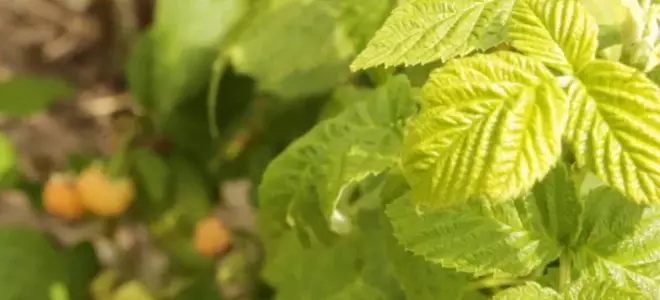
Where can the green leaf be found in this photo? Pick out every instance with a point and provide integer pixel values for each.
(363, 18)
(201, 289)
(606, 12)
(589, 183)
(420, 279)
(305, 184)
(590, 288)
(192, 199)
(557, 200)
(614, 128)
(28, 94)
(183, 42)
(139, 75)
(422, 31)
(353, 268)
(153, 176)
(490, 127)
(478, 237)
(29, 264)
(344, 97)
(304, 45)
(619, 243)
(561, 34)
(531, 290)
(8, 157)
(153, 170)
(132, 290)
(82, 266)
(550, 278)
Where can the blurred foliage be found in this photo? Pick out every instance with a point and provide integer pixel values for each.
(222, 87)
(23, 95)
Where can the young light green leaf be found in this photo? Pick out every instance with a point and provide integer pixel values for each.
(421, 279)
(531, 290)
(478, 237)
(491, 128)
(27, 94)
(619, 243)
(606, 12)
(610, 15)
(422, 31)
(614, 128)
(594, 288)
(8, 157)
(313, 174)
(559, 33)
(559, 209)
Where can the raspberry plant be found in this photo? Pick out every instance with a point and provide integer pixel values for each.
(399, 149)
(525, 166)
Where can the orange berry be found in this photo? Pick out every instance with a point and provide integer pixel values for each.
(211, 236)
(60, 198)
(102, 195)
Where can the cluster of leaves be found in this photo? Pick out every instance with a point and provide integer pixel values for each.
(526, 167)
(222, 87)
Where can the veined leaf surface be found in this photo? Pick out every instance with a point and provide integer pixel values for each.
(531, 290)
(304, 184)
(614, 128)
(619, 244)
(561, 34)
(490, 127)
(421, 279)
(556, 198)
(478, 237)
(422, 31)
(595, 288)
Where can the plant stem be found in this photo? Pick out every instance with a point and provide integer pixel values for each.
(565, 268)
(212, 97)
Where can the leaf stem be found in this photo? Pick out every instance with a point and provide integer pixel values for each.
(565, 267)
(212, 97)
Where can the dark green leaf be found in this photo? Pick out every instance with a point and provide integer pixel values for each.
(201, 289)
(82, 266)
(309, 180)
(29, 264)
(478, 237)
(153, 177)
(191, 195)
(559, 209)
(619, 243)
(174, 63)
(354, 268)
(27, 94)
(421, 279)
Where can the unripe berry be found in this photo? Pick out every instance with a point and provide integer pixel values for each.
(102, 195)
(211, 236)
(60, 198)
